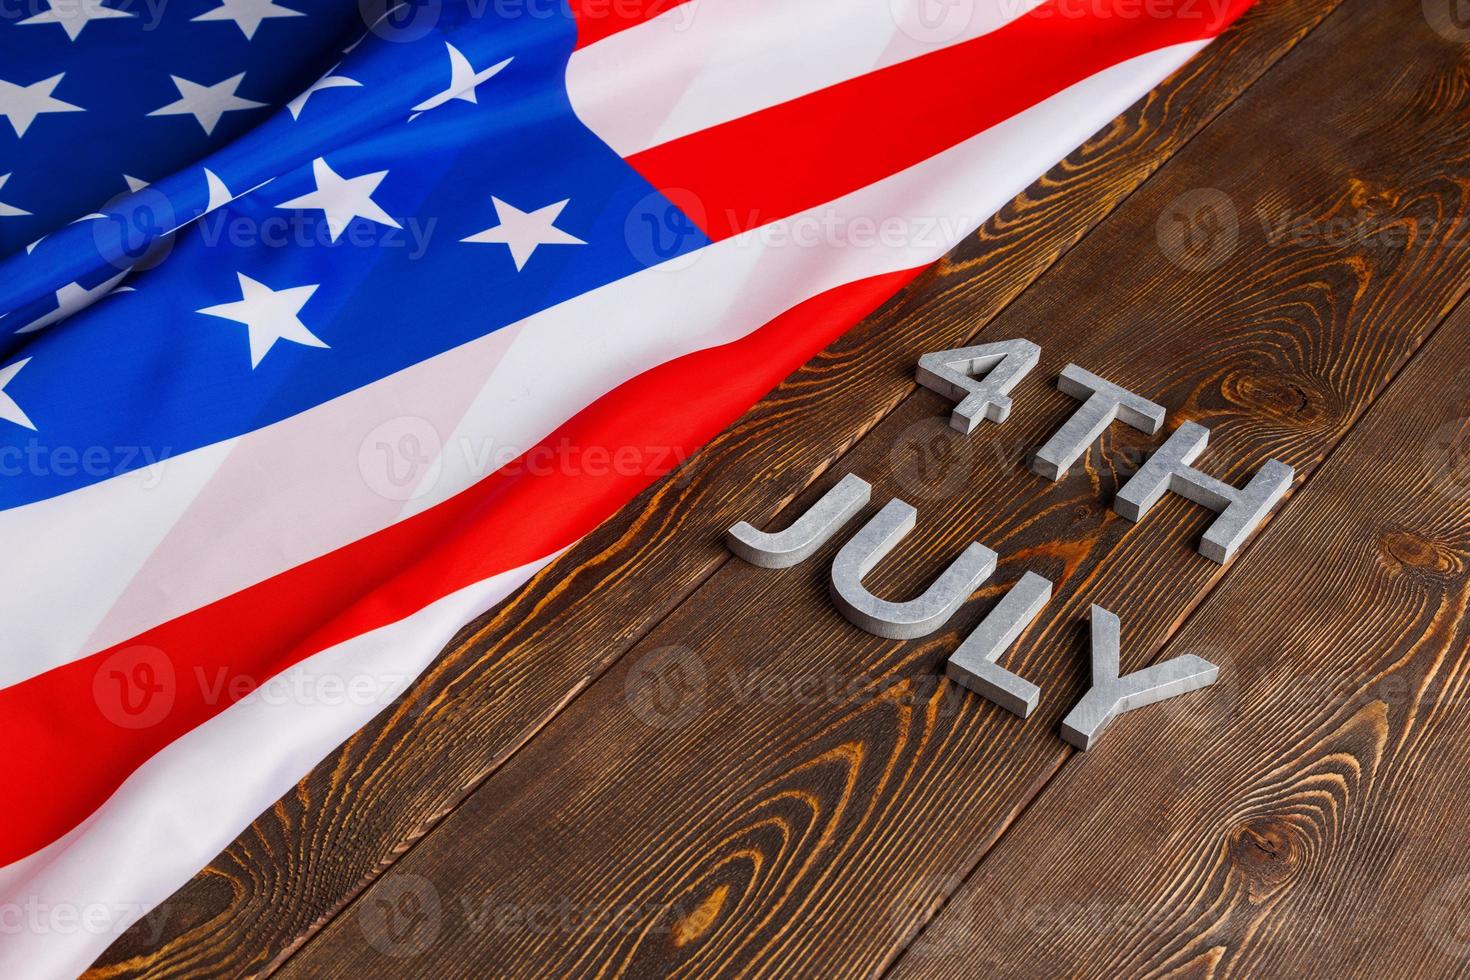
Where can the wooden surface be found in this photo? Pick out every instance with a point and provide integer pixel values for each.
(656, 760)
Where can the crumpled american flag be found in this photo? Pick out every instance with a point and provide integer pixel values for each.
(324, 325)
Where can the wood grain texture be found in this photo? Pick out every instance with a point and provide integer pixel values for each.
(504, 677)
(760, 788)
(1306, 818)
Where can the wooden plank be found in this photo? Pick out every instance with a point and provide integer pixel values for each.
(504, 678)
(820, 790)
(1307, 818)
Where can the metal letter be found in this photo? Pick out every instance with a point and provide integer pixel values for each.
(1103, 402)
(1240, 510)
(1111, 695)
(952, 373)
(807, 533)
(973, 664)
(917, 617)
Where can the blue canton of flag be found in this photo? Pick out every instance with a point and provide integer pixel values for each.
(426, 184)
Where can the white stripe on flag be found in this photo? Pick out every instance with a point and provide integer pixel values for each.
(63, 906)
(690, 69)
(202, 532)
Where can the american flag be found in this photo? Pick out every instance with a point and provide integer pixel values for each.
(325, 326)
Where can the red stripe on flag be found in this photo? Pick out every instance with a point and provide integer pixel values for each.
(597, 19)
(787, 159)
(76, 732)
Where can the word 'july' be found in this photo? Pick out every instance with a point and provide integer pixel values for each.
(981, 378)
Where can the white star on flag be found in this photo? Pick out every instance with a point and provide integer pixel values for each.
(206, 103)
(75, 15)
(325, 82)
(21, 104)
(340, 199)
(248, 14)
(270, 314)
(9, 410)
(463, 80)
(6, 210)
(134, 184)
(523, 232)
(74, 297)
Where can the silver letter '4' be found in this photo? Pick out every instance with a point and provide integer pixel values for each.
(952, 373)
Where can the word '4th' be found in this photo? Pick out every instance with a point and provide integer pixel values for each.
(957, 375)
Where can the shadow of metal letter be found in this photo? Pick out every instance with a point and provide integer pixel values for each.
(1111, 695)
(917, 617)
(973, 664)
(807, 533)
(1103, 402)
(952, 373)
(1241, 510)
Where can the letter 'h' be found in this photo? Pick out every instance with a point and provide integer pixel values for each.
(1240, 510)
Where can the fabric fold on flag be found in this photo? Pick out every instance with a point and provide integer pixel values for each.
(287, 417)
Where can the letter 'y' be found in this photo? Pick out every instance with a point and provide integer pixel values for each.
(1111, 695)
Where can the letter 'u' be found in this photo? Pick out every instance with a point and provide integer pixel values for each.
(917, 617)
